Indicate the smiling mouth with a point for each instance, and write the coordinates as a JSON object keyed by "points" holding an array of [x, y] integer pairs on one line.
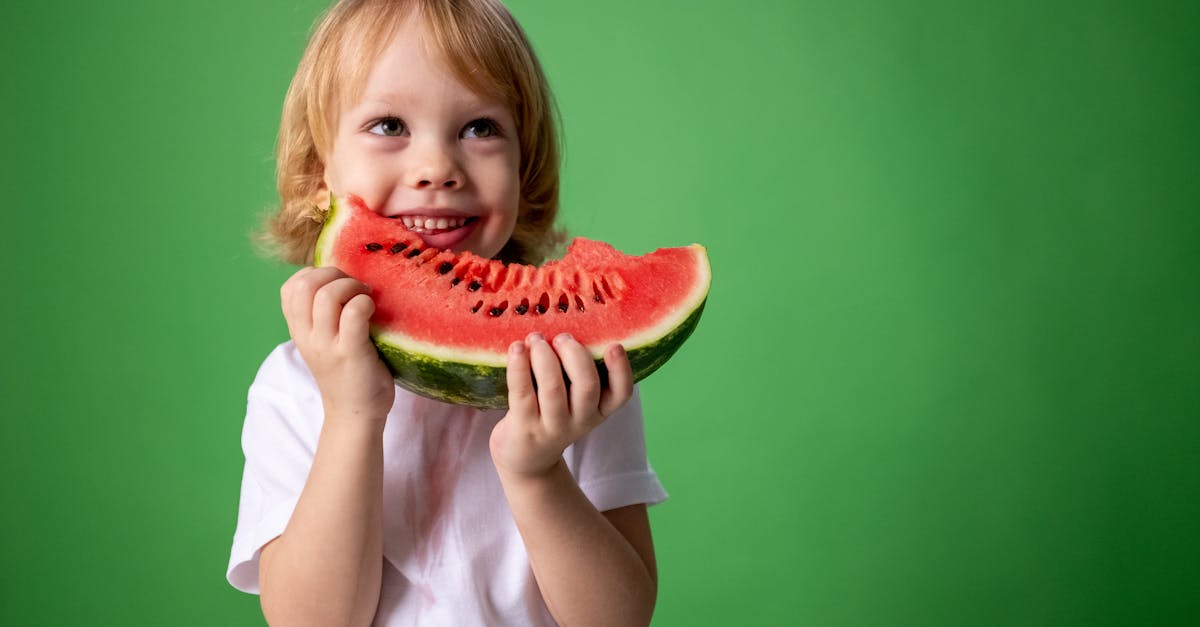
{"points": [[431, 225], [423, 225]]}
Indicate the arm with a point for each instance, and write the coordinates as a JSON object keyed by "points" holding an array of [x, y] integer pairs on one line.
{"points": [[326, 566], [592, 568]]}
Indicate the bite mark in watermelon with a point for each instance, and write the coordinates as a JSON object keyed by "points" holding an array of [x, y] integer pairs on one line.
{"points": [[443, 320]]}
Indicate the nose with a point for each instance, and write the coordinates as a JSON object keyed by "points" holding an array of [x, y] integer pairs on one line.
{"points": [[434, 166]]}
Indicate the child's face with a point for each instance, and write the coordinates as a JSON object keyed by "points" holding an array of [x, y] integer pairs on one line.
{"points": [[420, 146]]}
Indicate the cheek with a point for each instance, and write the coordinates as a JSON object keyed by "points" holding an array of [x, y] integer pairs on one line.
{"points": [[514, 195], [512, 177], [499, 182], [349, 174], [505, 200], [335, 174]]}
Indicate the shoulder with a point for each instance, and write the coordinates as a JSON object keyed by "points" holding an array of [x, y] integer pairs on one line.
{"points": [[283, 398], [611, 464], [625, 423], [619, 440], [283, 361], [284, 370]]}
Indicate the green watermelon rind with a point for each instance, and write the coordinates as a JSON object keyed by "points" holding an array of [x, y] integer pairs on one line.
{"points": [[486, 387]]}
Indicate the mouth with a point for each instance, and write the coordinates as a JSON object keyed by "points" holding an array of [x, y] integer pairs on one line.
{"points": [[432, 225], [440, 231]]}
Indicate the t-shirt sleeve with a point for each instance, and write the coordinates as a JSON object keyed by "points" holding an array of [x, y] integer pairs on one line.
{"points": [[611, 465], [279, 439]]}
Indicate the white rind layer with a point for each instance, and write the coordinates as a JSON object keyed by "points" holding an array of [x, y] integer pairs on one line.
{"points": [[323, 251]]}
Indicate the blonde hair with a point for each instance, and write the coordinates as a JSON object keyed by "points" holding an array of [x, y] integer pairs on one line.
{"points": [[486, 50]]}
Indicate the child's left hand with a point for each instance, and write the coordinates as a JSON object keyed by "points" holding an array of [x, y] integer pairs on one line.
{"points": [[541, 423]]}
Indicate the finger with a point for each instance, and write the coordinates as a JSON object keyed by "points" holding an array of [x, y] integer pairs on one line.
{"points": [[295, 299], [297, 292], [522, 398], [620, 380], [547, 371], [328, 303], [355, 323], [584, 391]]}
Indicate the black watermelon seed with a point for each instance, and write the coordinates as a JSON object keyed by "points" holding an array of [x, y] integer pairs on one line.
{"points": [[477, 306], [445, 267], [495, 311], [540, 308], [374, 246], [455, 281], [523, 308], [563, 307], [578, 302], [596, 297], [397, 247], [474, 286], [414, 252]]}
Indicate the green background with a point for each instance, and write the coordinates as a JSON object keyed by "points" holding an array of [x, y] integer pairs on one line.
{"points": [[949, 373]]}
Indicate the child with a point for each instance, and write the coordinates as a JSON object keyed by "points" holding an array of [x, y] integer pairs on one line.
{"points": [[362, 503]]}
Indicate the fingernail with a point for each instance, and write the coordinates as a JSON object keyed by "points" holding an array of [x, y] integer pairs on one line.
{"points": [[516, 348], [535, 337], [562, 337]]}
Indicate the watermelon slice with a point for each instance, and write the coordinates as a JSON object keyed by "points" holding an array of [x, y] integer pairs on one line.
{"points": [[443, 320]]}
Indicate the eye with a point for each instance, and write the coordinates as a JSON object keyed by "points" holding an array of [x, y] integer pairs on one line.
{"points": [[389, 126], [483, 127]]}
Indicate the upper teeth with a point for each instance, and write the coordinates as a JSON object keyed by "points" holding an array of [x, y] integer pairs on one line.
{"points": [[430, 224]]}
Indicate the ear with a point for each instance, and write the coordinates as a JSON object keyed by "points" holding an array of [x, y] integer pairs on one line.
{"points": [[321, 198]]}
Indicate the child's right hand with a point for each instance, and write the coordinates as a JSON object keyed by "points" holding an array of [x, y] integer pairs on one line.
{"points": [[328, 316]]}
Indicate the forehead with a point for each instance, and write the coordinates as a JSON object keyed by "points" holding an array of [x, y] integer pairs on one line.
{"points": [[376, 52], [405, 60], [362, 45]]}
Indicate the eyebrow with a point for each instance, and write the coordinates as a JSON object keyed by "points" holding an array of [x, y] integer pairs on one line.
{"points": [[392, 99], [386, 97]]}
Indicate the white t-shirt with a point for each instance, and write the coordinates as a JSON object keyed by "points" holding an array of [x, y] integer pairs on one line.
{"points": [[452, 552]]}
